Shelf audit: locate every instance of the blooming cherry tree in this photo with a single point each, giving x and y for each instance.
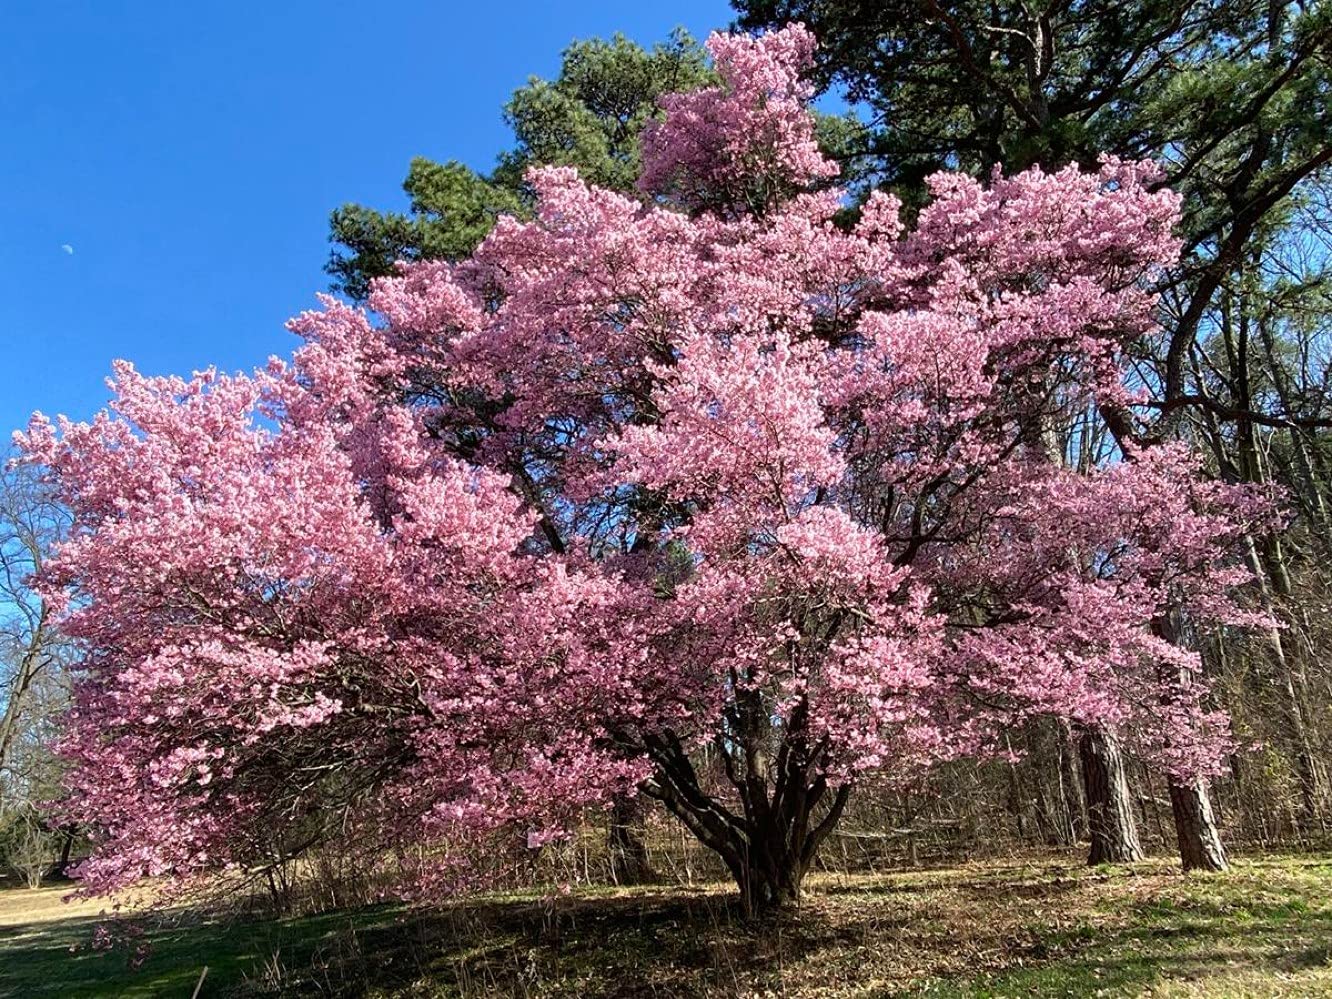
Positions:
(706, 496)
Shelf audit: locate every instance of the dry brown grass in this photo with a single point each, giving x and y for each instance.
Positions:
(21, 906)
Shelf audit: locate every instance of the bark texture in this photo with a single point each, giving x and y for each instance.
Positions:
(787, 806)
(1200, 846)
(1110, 821)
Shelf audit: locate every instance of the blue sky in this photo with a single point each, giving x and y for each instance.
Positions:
(188, 154)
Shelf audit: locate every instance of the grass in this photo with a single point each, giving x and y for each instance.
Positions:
(1047, 928)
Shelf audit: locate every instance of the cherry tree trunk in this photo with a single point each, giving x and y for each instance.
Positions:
(1200, 846)
(1110, 822)
(768, 856)
(768, 843)
(769, 877)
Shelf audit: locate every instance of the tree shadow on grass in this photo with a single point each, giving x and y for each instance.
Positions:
(56, 958)
(622, 947)
(951, 934)
(602, 946)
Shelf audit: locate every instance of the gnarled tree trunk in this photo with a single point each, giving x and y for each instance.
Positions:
(1110, 822)
(787, 807)
(770, 879)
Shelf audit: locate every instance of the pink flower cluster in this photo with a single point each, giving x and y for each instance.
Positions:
(744, 144)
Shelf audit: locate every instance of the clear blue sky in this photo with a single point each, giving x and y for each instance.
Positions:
(189, 153)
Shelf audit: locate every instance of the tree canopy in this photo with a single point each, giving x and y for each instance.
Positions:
(645, 480)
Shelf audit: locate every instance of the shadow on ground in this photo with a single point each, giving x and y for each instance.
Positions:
(1049, 929)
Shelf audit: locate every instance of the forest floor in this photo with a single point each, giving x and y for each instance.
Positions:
(1045, 928)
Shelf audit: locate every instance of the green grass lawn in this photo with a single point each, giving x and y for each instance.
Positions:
(1047, 928)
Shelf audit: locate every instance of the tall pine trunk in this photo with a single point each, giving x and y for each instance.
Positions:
(1196, 832)
(1110, 822)
(1200, 846)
